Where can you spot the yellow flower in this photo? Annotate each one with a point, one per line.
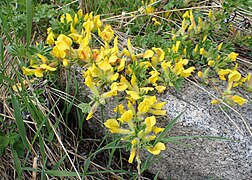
(239, 100)
(132, 155)
(50, 38)
(203, 51)
(107, 34)
(63, 42)
(75, 21)
(233, 56)
(104, 65)
(145, 90)
(88, 16)
(38, 72)
(215, 101)
(205, 38)
(121, 65)
(187, 72)
(68, 18)
(211, 63)
(65, 62)
(43, 58)
(97, 21)
(119, 108)
(148, 53)
(119, 86)
(88, 25)
(157, 148)
(200, 74)
(84, 53)
(160, 89)
(126, 116)
(114, 127)
(219, 46)
(157, 130)
(27, 71)
(234, 76)
(160, 53)
(157, 112)
(224, 72)
(58, 52)
(175, 48)
(133, 150)
(156, 23)
(144, 106)
(47, 68)
(165, 65)
(90, 115)
(112, 92)
(149, 122)
(186, 15)
(133, 95)
(154, 77)
(195, 50)
(210, 14)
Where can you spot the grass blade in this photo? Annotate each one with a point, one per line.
(28, 21)
(167, 129)
(17, 164)
(19, 120)
(176, 138)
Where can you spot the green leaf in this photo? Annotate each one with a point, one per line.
(4, 142)
(167, 129)
(86, 166)
(57, 165)
(176, 138)
(85, 107)
(7, 79)
(61, 173)
(17, 164)
(28, 21)
(19, 120)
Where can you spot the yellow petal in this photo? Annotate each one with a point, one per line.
(38, 73)
(104, 65)
(133, 95)
(150, 122)
(211, 63)
(111, 124)
(149, 53)
(126, 116)
(90, 115)
(234, 76)
(65, 62)
(215, 101)
(119, 108)
(239, 100)
(43, 58)
(233, 56)
(157, 148)
(200, 74)
(224, 72)
(157, 112)
(132, 155)
(144, 106)
(160, 89)
(157, 130)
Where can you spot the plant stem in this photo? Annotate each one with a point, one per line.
(138, 164)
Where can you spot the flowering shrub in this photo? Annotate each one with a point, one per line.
(137, 76)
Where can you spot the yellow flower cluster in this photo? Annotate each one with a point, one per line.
(135, 76)
(215, 62)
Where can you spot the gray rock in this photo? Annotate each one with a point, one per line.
(204, 158)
